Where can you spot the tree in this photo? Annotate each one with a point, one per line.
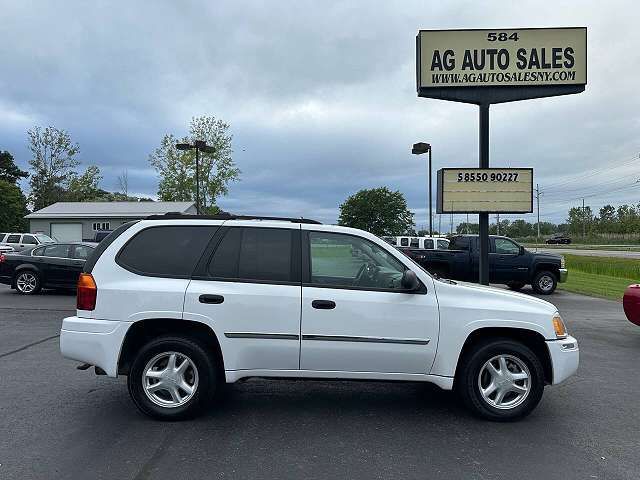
(123, 183)
(85, 187)
(177, 168)
(53, 165)
(9, 171)
(14, 208)
(379, 211)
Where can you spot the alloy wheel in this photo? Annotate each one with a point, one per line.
(170, 379)
(545, 283)
(504, 381)
(26, 282)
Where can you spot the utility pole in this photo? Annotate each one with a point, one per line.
(439, 224)
(584, 221)
(538, 207)
(497, 224)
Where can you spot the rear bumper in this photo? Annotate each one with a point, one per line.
(96, 342)
(565, 357)
(563, 274)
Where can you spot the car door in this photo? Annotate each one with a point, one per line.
(505, 261)
(355, 315)
(249, 289)
(56, 264)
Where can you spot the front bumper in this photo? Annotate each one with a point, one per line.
(564, 273)
(96, 342)
(565, 356)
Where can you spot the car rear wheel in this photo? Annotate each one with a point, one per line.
(27, 282)
(544, 282)
(501, 380)
(172, 378)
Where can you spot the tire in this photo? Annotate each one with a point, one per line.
(474, 374)
(515, 286)
(200, 375)
(544, 282)
(27, 282)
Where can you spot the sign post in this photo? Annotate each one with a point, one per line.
(484, 67)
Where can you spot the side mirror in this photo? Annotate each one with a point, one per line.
(410, 281)
(521, 252)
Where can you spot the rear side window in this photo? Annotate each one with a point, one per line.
(428, 243)
(415, 243)
(459, 243)
(29, 239)
(404, 242)
(58, 250)
(261, 254)
(166, 251)
(13, 239)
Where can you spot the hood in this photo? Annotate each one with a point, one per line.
(507, 296)
(548, 256)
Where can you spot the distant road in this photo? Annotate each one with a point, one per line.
(589, 253)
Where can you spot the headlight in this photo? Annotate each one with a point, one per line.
(558, 326)
(562, 264)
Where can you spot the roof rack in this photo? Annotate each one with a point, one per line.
(227, 216)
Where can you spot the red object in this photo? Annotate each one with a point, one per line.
(631, 303)
(2, 258)
(87, 292)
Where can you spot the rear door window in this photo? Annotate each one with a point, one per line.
(13, 239)
(415, 243)
(81, 252)
(404, 242)
(428, 243)
(260, 254)
(57, 251)
(29, 240)
(443, 244)
(166, 251)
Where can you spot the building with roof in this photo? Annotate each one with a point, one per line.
(76, 221)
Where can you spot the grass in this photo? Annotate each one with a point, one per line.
(595, 285)
(628, 268)
(605, 277)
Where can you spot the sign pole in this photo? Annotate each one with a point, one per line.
(483, 218)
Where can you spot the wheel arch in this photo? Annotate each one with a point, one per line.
(145, 330)
(546, 267)
(27, 266)
(532, 339)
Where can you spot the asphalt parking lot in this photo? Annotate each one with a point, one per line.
(58, 422)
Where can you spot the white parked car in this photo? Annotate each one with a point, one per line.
(180, 304)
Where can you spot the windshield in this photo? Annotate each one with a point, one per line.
(44, 238)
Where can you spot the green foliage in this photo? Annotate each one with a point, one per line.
(177, 169)
(377, 210)
(9, 171)
(85, 187)
(53, 164)
(14, 208)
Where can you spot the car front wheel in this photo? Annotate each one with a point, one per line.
(501, 380)
(544, 282)
(27, 282)
(172, 378)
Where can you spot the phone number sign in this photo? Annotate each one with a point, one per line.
(502, 57)
(485, 190)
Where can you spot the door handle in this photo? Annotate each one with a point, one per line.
(211, 299)
(323, 304)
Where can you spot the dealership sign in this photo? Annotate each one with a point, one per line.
(485, 190)
(531, 57)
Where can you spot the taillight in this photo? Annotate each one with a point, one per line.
(2, 257)
(87, 292)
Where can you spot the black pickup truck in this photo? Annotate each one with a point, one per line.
(509, 263)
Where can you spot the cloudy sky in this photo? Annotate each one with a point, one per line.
(320, 96)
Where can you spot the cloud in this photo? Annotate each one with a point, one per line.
(320, 95)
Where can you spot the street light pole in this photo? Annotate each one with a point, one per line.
(419, 149)
(198, 145)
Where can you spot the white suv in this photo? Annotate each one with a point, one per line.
(180, 304)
